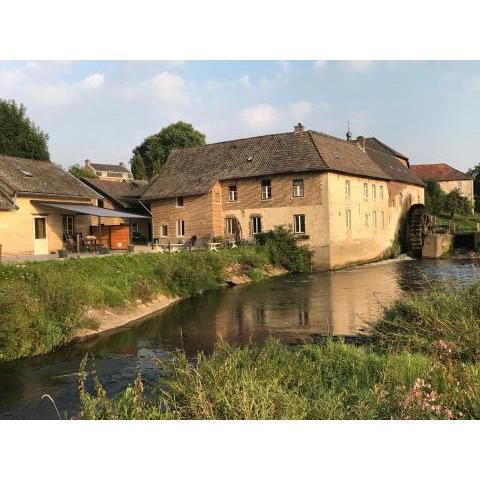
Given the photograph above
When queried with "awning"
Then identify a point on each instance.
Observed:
(84, 209)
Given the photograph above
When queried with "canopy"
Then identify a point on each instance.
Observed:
(85, 209)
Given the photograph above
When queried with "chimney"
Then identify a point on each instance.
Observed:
(122, 164)
(87, 162)
(299, 128)
(361, 142)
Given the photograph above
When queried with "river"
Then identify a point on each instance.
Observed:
(293, 308)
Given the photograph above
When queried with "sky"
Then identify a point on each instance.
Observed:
(428, 110)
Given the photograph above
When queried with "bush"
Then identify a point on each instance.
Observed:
(282, 249)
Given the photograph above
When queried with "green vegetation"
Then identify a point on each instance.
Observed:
(19, 136)
(422, 364)
(78, 171)
(44, 304)
(282, 249)
(138, 167)
(463, 222)
(155, 149)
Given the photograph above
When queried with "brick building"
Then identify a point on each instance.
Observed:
(344, 199)
(448, 178)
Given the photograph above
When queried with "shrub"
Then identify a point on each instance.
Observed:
(282, 249)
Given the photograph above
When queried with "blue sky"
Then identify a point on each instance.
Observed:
(102, 110)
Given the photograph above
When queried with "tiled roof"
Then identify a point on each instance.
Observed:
(376, 144)
(439, 172)
(104, 167)
(5, 202)
(193, 171)
(125, 193)
(395, 168)
(36, 177)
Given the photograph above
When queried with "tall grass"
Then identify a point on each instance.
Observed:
(331, 381)
(43, 304)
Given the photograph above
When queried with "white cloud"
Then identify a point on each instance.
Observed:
(94, 81)
(259, 117)
(319, 64)
(300, 109)
(286, 66)
(245, 80)
(168, 88)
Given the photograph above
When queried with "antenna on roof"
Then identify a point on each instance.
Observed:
(349, 133)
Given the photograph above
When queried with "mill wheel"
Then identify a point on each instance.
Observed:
(419, 224)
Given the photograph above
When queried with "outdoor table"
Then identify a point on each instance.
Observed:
(176, 247)
(213, 246)
(91, 242)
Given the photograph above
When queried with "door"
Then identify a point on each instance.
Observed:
(40, 239)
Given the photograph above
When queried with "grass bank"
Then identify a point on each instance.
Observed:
(423, 364)
(45, 304)
(463, 222)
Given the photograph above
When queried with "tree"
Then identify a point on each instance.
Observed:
(19, 136)
(435, 197)
(79, 171)
(155, 149)
(475, 173)
(456, 203)
(138, 168)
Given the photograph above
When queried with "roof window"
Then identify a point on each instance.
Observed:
(26, 173)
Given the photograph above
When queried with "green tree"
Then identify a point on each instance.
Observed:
(435, 197)
(79, 171)
(19, 136)
(455, 202)
(475, 173)
(138, 168)
(155, 149)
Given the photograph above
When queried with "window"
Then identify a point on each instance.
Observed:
(365, 190)
(135, 227)
(230, 226)
(68, 224)
(459, 185)
(40, 228)
(256, 225)
(347, 188)
(298, 188)
(179, 201)
(382, 219)
(232, 193)
(374, 192)
(217, 197)
(100, 203)
(381, 192)
(104, 174)
(367, 215)
(374, 219)
(299, 224)
(266, 189)
(348, 219)
(164, 231)
(180, 228)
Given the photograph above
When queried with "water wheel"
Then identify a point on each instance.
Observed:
(419, 224)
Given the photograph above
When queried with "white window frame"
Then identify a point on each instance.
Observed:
(230, 224)
(297, 224)
(365, 190)
(177, 203)
(162, 234)
(135, 227)
(65, 222)
(180, 228)
(232, 193)
(374, 192)
(298, 187)
(256, 224)
(374, 219)
(266, 189)
(347, 188)
(348, 219)
(381, 192)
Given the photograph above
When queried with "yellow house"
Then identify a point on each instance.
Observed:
(345, 199)
(28, 226)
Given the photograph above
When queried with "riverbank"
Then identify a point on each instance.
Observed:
(423, 364)
(47, 304)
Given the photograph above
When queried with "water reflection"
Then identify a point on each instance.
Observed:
(291, 308)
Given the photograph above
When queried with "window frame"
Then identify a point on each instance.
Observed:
(179, 203)
(381, 192)
(302, 219)
(365, 190)
(374, 219)
(65, 220)
(180, 223)
(374, 192)
(162, 231)
(256, 224)
(298, 183)
(348, 219)
(230, 222)
(232, 189)
(347, 188)
(266, 189)
(36, 230)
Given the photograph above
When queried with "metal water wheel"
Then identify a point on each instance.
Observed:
(419, 225)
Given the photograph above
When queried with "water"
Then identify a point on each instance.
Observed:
(293, 308)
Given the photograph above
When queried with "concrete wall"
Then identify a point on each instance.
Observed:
(17, 229)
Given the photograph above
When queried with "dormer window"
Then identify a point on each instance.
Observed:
(179, 201)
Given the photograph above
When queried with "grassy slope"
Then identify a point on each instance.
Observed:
(423, 364)
(464, 223)
(43, 304)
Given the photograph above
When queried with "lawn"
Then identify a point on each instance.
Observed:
(463, 223)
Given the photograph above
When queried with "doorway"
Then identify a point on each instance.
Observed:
(40, 238)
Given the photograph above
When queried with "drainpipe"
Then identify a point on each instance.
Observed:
(100, 249)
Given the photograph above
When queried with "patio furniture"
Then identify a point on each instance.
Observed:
(90, 243)
(213, 246)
